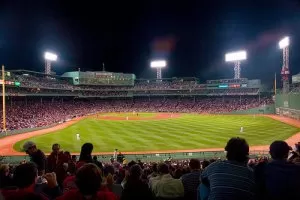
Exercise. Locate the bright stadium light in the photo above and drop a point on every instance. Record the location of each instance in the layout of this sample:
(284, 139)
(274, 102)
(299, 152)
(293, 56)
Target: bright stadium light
(285, 70)
(49, 57)
(285, 42)
(158, 64)
(236, 57)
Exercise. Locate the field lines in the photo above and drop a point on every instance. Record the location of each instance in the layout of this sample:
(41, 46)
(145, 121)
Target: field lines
(186, 132)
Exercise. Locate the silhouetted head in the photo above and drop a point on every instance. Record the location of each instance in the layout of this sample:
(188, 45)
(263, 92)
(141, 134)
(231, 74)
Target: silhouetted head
(88, 179)
(237, 150)
(86, 151)
(279, 150)
(194, 164)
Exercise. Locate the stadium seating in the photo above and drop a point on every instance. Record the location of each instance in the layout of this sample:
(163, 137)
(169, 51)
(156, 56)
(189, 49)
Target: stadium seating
(170, 179)
(31, 112)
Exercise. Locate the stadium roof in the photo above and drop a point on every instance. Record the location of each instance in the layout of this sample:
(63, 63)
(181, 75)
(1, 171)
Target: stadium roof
(169, 79)
(23, 71)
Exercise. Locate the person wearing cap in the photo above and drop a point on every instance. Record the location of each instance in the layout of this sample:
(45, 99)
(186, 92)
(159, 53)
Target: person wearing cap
(36, 156)
(278, 179)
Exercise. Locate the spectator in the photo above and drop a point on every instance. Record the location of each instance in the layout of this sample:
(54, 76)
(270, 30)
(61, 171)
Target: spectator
(74, 158)
(164, 186)
(278, 179)
(191, 181)
(135, 188)
(120, 157)
(56, 161)
(36, 156)
(5, 178)
(154, 171)
(230, 179)
(204, 164)
(25, 177)
(71, 163)
(98, 163)
(295, 154)
(88, 181)
(85, 155)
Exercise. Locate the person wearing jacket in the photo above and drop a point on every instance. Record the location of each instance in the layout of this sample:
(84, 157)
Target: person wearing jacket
(36, 156)
(55, 163)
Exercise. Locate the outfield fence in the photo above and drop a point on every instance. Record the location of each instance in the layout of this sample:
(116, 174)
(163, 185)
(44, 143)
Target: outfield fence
(149, 157)
(288, 105)
(288, 112)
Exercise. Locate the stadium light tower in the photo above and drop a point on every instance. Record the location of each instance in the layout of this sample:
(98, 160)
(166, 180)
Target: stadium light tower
(158, 64)
(49, 57)
(285, 71)
(236, 57)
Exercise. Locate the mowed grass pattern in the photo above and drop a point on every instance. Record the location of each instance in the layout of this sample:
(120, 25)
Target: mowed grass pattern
(190, 131)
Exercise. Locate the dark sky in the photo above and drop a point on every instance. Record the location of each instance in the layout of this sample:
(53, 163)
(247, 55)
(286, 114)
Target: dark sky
(122, 33)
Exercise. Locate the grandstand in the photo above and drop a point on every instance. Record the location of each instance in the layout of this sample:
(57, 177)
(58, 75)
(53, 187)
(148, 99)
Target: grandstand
(88, 103)
(27, 90)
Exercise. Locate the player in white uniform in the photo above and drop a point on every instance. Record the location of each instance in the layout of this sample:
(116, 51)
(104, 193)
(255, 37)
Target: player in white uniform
(242, 129)
(127, 118)
(78, 136)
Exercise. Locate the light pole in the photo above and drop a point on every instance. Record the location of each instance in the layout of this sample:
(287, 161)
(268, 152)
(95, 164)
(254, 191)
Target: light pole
(236, 58)
(158, 64)
(285, 70)
(49, 57)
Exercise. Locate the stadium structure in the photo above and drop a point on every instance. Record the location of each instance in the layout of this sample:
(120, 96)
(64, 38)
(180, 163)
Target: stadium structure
(38, 101)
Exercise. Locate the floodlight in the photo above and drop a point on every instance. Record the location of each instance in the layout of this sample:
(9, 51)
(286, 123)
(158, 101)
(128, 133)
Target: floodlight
(236, 56)
(158, 63)
(50, 56)
(284, 42)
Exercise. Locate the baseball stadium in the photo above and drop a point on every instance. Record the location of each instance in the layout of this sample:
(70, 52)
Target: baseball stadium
(150, 119)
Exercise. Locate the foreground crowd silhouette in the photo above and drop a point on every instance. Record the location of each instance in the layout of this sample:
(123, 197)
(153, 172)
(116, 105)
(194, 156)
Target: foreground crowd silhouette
(63, 177)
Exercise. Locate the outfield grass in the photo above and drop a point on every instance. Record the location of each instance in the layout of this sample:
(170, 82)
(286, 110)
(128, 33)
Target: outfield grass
(186, 132)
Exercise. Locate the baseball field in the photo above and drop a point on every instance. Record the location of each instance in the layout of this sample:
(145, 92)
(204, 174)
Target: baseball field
(146, 132)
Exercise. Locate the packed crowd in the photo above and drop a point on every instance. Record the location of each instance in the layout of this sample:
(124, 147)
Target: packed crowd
(63, 177)
(41, 112)
(20, 91)
(43, 82)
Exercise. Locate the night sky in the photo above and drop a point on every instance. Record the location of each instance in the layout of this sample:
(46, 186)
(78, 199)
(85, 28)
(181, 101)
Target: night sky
(192, 35)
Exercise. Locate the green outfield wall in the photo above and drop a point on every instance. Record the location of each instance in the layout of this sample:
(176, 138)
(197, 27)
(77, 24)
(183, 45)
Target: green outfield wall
(288, 105)
(268, 109)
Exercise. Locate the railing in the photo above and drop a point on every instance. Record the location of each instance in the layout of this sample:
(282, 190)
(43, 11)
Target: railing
(149, 157)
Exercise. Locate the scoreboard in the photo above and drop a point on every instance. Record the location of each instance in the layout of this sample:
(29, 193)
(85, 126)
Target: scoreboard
(233, 83)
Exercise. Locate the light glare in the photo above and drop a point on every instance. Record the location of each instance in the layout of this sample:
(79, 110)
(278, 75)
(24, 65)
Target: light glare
(236, 56)
(158, 64)
(50, 56)
(284, 42)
